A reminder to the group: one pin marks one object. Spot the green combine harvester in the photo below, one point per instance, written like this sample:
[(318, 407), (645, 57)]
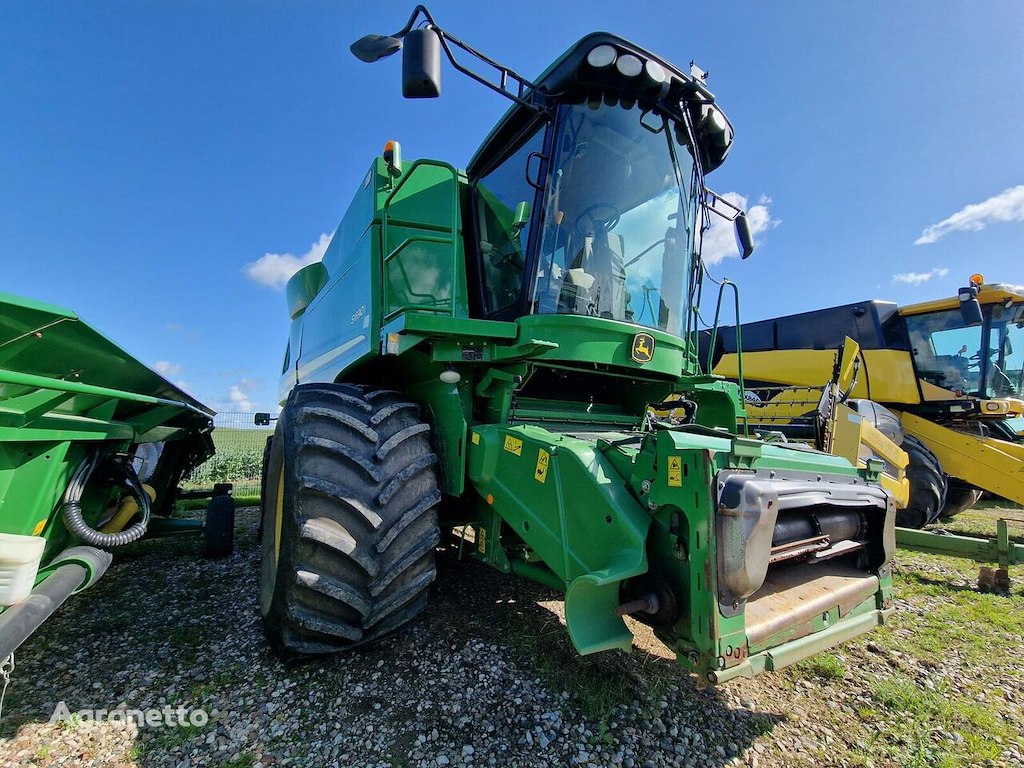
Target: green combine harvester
[(479, 353), (93, 444)]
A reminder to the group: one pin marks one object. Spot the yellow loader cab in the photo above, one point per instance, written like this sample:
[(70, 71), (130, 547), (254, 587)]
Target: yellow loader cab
[(951, 369)]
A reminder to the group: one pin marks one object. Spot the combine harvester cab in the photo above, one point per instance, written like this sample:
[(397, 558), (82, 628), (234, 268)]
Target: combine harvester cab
[(951, 369), (92, 446), (478, 353)]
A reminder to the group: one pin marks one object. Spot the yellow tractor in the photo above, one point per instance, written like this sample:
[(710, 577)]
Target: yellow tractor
[(951, 370)]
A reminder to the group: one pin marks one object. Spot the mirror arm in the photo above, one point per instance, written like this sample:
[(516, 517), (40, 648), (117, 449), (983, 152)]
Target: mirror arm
[(717, 198), (522, 85), (412, 20)]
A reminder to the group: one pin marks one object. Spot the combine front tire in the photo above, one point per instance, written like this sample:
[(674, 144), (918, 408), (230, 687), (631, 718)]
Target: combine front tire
[(349, 519), (960, 497), (928, 486)]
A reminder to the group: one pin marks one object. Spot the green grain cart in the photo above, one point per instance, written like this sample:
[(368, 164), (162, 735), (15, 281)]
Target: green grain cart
[(478, 354), (93, 444)]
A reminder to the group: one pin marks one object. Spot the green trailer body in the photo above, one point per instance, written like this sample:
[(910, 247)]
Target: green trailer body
[(81, 421), (460, 362)]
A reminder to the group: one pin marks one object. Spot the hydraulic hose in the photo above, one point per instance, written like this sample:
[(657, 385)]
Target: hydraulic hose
[(72, 506)]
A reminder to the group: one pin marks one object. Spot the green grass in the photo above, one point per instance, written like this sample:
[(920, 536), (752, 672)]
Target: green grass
[(223, 680), (234, 439), (168, 738), (914, 715), (244, 760), (915, 721), (825, 666), (981, 520)]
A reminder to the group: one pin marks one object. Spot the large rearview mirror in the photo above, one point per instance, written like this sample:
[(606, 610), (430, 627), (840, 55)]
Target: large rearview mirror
[(421, 64), (970, 307), (743, 237)]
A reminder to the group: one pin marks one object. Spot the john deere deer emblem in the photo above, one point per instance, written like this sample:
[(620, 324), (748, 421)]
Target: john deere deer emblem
[(643, 348)]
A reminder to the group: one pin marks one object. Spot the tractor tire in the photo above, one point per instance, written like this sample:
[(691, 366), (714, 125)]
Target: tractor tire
[(263, 485), (928, 486), (959, 497), (219, 527), (349, 519)]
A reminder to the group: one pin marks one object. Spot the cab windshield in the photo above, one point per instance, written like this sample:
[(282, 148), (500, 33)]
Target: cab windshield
[(619, 217), (985, 360)]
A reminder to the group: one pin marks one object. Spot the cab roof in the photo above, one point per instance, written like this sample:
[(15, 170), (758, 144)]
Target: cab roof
[(988, 293), (572, 77)]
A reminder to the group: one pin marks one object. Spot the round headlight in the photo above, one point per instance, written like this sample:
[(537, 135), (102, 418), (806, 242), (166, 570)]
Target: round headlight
[(602, 56), (629, 65), (715, 120), (654, 72)]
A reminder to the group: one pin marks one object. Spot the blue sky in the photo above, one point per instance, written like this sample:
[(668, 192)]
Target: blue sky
[(150, 152)]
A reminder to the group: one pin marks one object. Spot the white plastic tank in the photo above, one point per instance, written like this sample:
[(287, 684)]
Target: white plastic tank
[(19, 563)]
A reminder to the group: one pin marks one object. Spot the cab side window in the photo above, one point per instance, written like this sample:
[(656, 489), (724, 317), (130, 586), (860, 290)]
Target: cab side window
[(505, 200)]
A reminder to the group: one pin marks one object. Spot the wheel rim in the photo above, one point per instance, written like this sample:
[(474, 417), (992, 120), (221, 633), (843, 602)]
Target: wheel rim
[(278, 518), (271, 555)]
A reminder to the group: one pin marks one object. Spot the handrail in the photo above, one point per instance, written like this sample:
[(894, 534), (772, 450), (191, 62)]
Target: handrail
[(739, 346), (76, 387), (452, 240)]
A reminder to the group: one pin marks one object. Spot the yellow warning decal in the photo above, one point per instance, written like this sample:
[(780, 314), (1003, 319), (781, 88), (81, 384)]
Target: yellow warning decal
[(514, 445), (476, 438), (675, 471), (541, 473), (481, 541)]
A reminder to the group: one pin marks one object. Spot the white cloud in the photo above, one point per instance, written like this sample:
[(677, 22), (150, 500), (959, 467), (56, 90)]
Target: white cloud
[(239, 398), (720, 239), (167, 368), (916, 278), (274, 269), (1008, 205)]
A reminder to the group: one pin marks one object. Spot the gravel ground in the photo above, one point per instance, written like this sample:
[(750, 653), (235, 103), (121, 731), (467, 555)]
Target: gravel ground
[(487, 677)]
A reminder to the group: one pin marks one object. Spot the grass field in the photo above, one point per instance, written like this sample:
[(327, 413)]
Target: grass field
[(239, 458), (235, 439), (980, 521)]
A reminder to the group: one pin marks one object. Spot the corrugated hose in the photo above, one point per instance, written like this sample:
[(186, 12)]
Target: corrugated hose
[(72, 505)]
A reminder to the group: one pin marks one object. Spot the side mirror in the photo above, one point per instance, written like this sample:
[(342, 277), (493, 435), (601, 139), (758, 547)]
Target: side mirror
[(261, 419), (744, 239), (970, 307), (421, 64), (372, 48), (521, 218)]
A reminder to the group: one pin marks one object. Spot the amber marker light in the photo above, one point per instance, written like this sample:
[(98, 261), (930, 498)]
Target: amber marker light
[(393, 157)]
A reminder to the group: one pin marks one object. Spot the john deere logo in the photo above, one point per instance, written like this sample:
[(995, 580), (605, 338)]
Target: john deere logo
[(643, 348)]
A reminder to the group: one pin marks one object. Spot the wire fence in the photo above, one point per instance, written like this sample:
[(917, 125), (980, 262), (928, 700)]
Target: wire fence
[(239, 457)]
